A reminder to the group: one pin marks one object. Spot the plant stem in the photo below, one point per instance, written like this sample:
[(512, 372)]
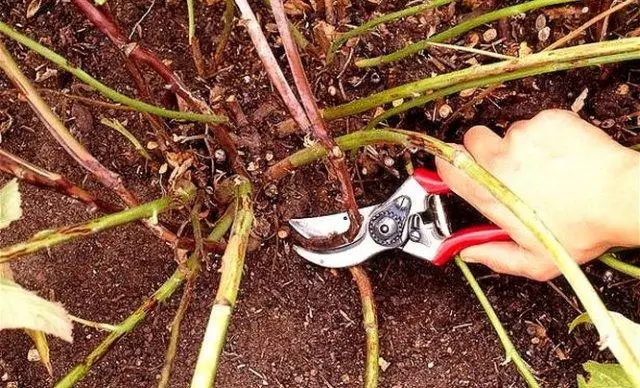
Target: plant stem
[(51, 238), (140, 106), (386, 18), (125, 327), (612, 261), (370, 323), (509, 349), (318, 127), (40, 177), (191, 20), (223, 38), (570, 57), (457, 30), (225, 300), (611, 334)]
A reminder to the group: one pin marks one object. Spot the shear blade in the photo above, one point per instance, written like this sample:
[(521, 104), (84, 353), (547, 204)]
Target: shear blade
[(325, 226), (348, 255)]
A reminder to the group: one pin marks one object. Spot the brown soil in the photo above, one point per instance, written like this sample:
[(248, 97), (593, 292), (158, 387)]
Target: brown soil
[(295, 324)]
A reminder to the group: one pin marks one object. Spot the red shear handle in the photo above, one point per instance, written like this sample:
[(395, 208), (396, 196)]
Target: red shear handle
[(431, 181), (468, 237)]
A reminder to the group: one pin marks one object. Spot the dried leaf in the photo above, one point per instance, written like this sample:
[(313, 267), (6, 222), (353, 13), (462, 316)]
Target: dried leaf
[(604, 376), (10, 202), (33, 8), (22, 309)]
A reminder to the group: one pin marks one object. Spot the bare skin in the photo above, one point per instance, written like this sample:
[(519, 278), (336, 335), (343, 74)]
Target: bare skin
[(583, 185)]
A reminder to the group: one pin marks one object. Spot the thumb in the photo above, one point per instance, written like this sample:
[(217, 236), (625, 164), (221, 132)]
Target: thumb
[(511, 259)]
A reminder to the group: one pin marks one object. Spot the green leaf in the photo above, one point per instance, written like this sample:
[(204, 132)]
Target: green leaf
[(22, 309), (10, 202), (581, 319), (604, 376), (120, 128)]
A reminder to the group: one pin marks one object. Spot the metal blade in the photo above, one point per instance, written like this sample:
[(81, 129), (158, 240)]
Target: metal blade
[(345, 256), (325, 226)]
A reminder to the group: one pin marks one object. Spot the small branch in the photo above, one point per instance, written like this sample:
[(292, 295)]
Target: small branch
[(561, 59), (102, 88), (371, 24), (459, 29), (271, 66), (95, 325), (40, 177), (370, 323), (223, 38), (192, 20), (51, 238), (319, 130), (163, 293), (511, 352), (612, 261), (225, 300), (573, 34)]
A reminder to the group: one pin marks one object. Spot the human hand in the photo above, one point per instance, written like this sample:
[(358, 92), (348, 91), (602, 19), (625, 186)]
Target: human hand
[(582, 184)]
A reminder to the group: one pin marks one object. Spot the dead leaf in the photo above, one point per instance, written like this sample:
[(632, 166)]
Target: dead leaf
[(33, 8), (10, 203), (324, 33)]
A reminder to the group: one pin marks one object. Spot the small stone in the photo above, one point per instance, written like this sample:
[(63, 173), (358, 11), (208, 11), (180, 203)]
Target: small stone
[(33, 355), (332, 90), (345, 378), (364, 171), (608, 276), (163, 168), (298, 379), (268, 156), (431, 364), (397, 103), (253, 166), (541, 22), (585, 10), (220, 155), (271, 190), (12, 384), (445, 111), (389, 161), (535, 340), (384, 364), (608, 123), (623, 89), (246, 79), (5, 376), (375, 78), (152, 145), (490, 35), (543, 34)]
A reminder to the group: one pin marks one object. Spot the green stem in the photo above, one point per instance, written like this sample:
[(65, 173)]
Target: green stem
[(139, 106), (226, 296), (497, 79), (459, 29), (509, 349), (125, 327), (366, 27), (571, 55), (611, 334), (612, 261), (191, 15), (223, 38), (370, 323), (50, 238)]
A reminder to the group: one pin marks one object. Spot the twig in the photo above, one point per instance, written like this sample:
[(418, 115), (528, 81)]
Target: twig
[(163, 293), (50, 238), (318, 129), (612, 261), (144, 15), (271, 66), (564, 296), (617, 341), (191, 14), (457, 30), (370, 323), (40, 177), (185, 300), (121, 129), (102, 88), (95, 325), (486, 53), (366, 27), (573, 34), (557, 59), (223, 38), (225, 300), (511, 352)]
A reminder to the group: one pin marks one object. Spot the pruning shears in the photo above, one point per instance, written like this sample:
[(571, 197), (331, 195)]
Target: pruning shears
[(413, 219)]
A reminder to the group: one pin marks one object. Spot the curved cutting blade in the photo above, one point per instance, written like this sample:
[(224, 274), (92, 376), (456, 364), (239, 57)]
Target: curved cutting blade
[(345, 256), (325, 226)]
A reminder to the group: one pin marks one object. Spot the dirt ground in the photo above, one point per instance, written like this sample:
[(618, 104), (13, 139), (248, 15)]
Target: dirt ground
[(296, 325)]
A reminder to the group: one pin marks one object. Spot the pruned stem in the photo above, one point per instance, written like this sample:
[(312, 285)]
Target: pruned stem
[(223, 38), (40, 177), (510, 350), (51, 238), (191, 15), (457, 30), (371, 24), (132, 321), (612, 261), (225, 300), (103, 89), (557, 59), (619, 344), (370, 323), (318, 128)]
